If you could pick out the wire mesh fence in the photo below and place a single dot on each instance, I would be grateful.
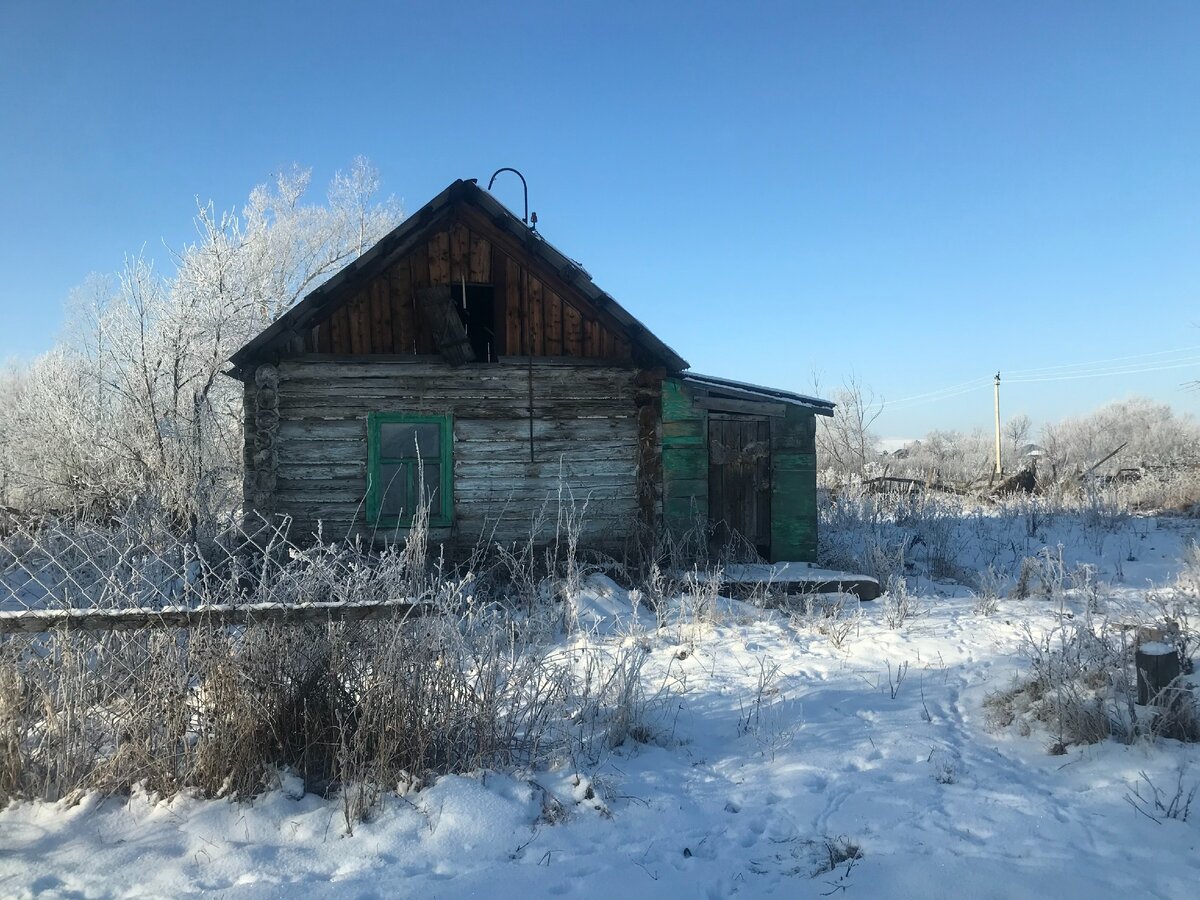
(137, 570)
(131, 655)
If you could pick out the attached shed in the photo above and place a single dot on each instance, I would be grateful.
(465, 356)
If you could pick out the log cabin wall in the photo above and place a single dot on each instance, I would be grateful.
(585, 443)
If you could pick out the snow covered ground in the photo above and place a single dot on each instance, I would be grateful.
(771, 758)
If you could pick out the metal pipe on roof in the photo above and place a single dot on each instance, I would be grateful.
(524, 185)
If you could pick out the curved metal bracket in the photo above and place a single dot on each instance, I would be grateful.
(524, 185)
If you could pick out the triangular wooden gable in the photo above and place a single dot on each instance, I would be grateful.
(536, 311)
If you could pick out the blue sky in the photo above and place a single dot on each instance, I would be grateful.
(918, 194)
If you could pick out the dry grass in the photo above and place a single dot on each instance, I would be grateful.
(352, 707)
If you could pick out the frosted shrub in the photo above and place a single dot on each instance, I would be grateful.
(899, 604)
(836, 616)
(992, 586)
(1042, 575)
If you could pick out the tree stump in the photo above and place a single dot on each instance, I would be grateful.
(1157, 666)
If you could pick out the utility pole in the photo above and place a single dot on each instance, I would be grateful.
(999, 464)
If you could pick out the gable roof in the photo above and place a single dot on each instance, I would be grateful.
(418, 227)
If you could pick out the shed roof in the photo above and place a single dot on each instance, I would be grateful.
(417, 227)
(758, 392)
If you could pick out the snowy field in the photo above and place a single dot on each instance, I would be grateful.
(775, 757)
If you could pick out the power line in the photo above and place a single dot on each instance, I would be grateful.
(1182, 364)
(935, 396)
(1101, 362)
(1064, 372)
(966, 385)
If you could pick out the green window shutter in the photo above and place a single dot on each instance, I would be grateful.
(405, 452)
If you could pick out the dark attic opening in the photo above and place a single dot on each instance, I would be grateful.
(476, 306)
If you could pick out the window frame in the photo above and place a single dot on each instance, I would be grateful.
(376, 461)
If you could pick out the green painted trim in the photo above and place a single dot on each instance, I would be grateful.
(684, 458)
(375, 461)
(794, 488)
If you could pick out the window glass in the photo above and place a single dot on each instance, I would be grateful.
(408, 462)
(404, 440)
(433, 488)
(393, 490)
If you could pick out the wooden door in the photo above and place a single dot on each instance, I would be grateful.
(739, 481)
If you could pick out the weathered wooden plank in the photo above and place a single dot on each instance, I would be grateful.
(572, 362)
(599, 503)
(381, 320)
(499, 278)
(676, 401)
(438, 307)
(483, 466)
(317, 492)
(460, 253)
(535, 314)
(793, 488)
(507, 527)
(302, 453)
(346, 466)
(553, 325)
(347, 509)
(321, 490)
(480, 265)
(794, 507)
(407, 368)
(564, 409)
(717, 505)
(514, 342)
(684, 458)
(686, 464)
(608, 347)
(549, 450)
(438, 249)
(324, 341)
(340, 330)
(573, 429)
(360, 330)
(592, 341)
(324, 430)
(404, 339)
(473, 381)
(683, 433)
(419, 272)
(466, 402)
(749, 407)
(572, 331)
(465, 394)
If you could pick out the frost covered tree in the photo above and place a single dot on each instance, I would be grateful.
(132, 402)
(845, 442)
(1152, 433)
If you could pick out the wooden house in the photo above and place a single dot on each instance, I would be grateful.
(465, 356)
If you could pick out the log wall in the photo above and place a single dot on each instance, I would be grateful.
(585, 431)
